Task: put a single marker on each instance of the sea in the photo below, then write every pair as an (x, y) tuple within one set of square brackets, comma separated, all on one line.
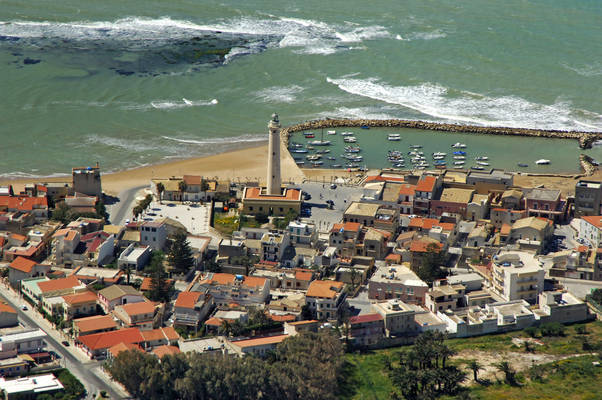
[(139, 82)]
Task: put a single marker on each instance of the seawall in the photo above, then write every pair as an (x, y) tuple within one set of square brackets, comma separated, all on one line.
[(585, 138)]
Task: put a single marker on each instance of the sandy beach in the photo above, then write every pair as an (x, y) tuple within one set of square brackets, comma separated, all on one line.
[(244, 164)]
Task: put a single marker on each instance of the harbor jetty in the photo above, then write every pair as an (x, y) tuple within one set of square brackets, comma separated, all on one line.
[(585, 139)]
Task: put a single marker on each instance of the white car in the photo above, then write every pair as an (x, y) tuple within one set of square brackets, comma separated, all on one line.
[(24, 307)]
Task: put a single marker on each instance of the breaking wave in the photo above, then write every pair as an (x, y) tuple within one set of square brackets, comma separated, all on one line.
[(279, 94), (473, 108)]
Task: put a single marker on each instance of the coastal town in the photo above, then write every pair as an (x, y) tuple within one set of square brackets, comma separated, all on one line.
[(238, 268)]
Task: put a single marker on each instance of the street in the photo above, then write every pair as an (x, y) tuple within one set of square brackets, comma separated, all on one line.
[(121, 210), (89, 372)]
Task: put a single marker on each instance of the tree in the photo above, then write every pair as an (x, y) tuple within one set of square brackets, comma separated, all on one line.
[(431, 270), (159, 287), (101, 210), (261, 218), (132, 368), (182, 188), (475, 367), (160, 190), (180, 254), (508, 371), (137, 211)]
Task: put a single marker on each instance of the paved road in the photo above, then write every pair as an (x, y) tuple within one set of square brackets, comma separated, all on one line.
[(121, 211), (578, 287), (83, 371)]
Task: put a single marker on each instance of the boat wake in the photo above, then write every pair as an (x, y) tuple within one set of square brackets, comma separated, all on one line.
[(465, 107)]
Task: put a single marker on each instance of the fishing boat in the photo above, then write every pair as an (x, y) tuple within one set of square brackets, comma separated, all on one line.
[(316, 163), (459, 153), (324, 151), (394, 137), (458, 145), (352, 149), (314, 157), (320, 142), (309, 135), (332, 132), (415, 146), (459, 162), (347, 134), (350, 139), (336, 165), (299, 151), (440, 162), (477, 167), (481, 158), (331, 158), (365, 127), (351, 165), (438, 157), (482, 163), (295, 145), (300, 162), (459, 157), (439, 154), (310, 147), (542, 161), (523, 165)]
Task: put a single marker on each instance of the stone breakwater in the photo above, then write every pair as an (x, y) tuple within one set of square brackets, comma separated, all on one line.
[(587, 164), (585, 138)]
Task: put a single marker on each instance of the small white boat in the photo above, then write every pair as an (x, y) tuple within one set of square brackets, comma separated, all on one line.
[(300, 162), (482, 158), (332, 132), (415, 146), (459, 157), (477, 167), (314, 157), (543, 161), (438, 157), (482, 163), (316, 163), (336, 165), (347, 134), (331, 158), (459, 162), (439, 154), (320, 142), (394, 138), (350, 139), (459, 145)]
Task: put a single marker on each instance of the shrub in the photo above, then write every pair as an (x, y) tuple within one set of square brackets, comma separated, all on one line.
[(532, 331), (552, 329)]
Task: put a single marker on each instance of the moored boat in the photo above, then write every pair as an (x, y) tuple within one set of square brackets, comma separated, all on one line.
[(477, 167), (523, 165), (459, 162), (458, 145), (542, 161), (350, 139), (481, 158), (320, 142), (332, 132), (482, 163)]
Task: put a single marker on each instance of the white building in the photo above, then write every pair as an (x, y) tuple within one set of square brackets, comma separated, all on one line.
[(134, 257), (302, 233), (590, 230), (273, 245), (29, 386), (517, 275), (153, 234), (325, 298)]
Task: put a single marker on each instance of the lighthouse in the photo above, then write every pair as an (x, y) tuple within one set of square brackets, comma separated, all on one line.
[(274, 181)]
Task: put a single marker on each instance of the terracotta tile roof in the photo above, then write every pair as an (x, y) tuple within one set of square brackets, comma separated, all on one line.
[(143, 307), (152, 335), (16, 236), (259, 341), (214, 321), (97, 322), (105, 340), (582, 249), (347, 226), (192, 179), (324, 289), (595, 220), (80, 298), (420, 246), (424, 223), (5, 308), (426, 184), (254, 193), (358, 319), (162, 351), (170, 333), (146, 284), (229, 279), (23, 264), (254, 281), (396, 258), (303, 275), (187, 299), (505, 230), (282, 318), (59, 284), (119, 347), (447, 226), (311, 321), (379, 178), (61, 232), (407, 190), (23, 203)]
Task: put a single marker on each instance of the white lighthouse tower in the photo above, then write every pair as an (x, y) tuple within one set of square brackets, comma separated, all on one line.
[(274, 181)]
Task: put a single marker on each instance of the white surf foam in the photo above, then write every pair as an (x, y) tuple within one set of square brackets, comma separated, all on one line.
[(587, 70), (312, 36), (279, 94), (436, 34), (360, 113), (465, 107)]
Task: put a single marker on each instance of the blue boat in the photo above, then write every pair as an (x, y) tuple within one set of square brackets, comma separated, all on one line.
[(440, 162), (365, 127), (460, 153)]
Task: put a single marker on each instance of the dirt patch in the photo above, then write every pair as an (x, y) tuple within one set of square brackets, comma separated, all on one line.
[(518, 361)]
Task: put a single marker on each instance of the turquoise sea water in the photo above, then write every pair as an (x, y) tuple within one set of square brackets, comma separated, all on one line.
[(139, 82)]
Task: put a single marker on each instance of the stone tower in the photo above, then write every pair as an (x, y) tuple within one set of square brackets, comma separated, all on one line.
[(274, 181)]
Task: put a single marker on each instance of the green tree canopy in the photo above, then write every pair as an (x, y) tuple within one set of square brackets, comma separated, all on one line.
[(431, 270), (180, 254)]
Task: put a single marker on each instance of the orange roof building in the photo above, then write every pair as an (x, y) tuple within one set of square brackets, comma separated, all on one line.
[(162, 351), (257, 346), (23, 264), (99, 343), (119, 347), (228, 288), (95, 324), (255, 201), (60, 286)]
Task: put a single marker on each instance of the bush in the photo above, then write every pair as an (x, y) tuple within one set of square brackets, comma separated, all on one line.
[(261, 218), (581, 330), (552, 329), (532, 331)]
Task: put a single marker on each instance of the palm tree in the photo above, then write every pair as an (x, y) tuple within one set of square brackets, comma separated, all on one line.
[(160, 190), (475, 367), (137, 211), (182, 188), (507, 370)]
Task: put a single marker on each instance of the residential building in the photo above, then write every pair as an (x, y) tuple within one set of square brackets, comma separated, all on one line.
[(98, 344), (545, 203), (501, 216), (398, 317), (420, 248), (79, 304), (345, 237), (588, 198), (134, 257), (153, 234), (531, 232), (517, 276), (325, 298), (362, 213), (25, 341), (95, 324), (406, 198), (228, 288), (478, 207), (452, 201), (273, 245), (426, 189), (590, 230), (21, 268), (445, 297), (257, 346), (302, 233), (165, 336), (29, 387), (492, 177), (114, 295), (396, 282), (375, 243), (366, 329), (8, 316), (191, 308)]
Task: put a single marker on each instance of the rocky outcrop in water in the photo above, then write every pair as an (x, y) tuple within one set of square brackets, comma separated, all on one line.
[(587, 164), (585, 138)]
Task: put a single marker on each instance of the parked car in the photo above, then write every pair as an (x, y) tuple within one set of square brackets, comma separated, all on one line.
[(24, 307), (65, 343)]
